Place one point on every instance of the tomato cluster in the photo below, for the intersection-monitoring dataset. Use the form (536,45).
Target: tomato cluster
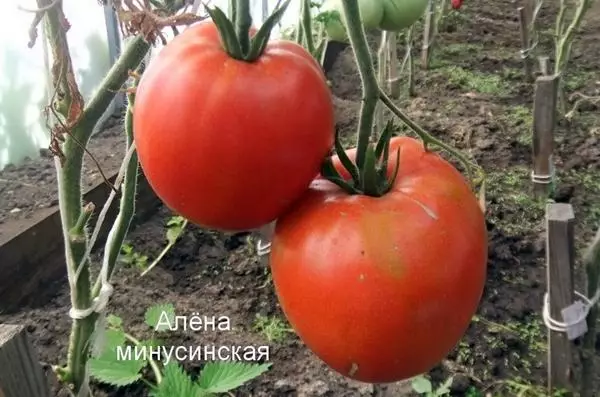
(380,288)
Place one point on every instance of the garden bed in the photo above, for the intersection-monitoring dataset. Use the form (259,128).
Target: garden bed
(473,97)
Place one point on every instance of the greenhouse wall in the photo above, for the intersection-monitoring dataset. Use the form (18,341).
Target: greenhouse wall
(95,43)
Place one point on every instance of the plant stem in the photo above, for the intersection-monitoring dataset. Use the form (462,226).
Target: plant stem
(164,251)
(563,41)
(588,349)
(153,363)
(424,135)
(69,180)
(362,53)
(119,229)
(243,22)
(307,26)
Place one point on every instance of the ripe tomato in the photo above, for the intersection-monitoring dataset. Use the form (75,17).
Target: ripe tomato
(401,14)
(382,289)
(230,144)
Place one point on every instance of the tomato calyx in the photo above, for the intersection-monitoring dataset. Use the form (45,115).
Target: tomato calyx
(235,32)
(371,177)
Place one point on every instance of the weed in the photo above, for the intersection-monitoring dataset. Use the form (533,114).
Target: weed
(130,258)
(482,83)
(424,387)
(273,328)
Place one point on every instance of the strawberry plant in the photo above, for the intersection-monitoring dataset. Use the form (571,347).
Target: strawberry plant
(111,365)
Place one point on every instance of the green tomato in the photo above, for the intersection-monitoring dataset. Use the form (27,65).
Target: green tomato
(371,12)
(401,14)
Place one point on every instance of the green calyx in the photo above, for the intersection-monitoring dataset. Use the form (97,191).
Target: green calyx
(371,177)
(235,32)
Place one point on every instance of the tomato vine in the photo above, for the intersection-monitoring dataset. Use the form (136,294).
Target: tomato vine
(369,175)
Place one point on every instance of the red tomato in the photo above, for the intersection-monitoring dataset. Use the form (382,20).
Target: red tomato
(229,144)
(382,289)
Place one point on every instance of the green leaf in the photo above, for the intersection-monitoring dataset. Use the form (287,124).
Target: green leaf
(108,368)
(114,321)
(421,385)
(260,40)
(176,383)
(444,389)
(221,377)
(174,229)
(157,315)
(113,338)
(226,32)
(345,160)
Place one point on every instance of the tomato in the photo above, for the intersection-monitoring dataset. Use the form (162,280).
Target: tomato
(230,144)
(382,289)
(371,12)
(401,14)
(456,4)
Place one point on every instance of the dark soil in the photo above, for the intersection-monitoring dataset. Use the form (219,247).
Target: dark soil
(474,97)
(31,186)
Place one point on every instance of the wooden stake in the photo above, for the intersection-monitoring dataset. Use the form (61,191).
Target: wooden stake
(393,77)
(524,23)
(428,35)
(560,258)
(544,121)
(21,374)
(382,76)
(543,60)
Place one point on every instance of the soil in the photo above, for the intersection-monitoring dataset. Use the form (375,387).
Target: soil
(30,186)
(474,97)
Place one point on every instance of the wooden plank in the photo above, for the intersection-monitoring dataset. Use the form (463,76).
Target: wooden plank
(560,258)
(21,374)
(544,122)
(28,274)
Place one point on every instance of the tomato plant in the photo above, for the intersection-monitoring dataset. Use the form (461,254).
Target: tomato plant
(401,14)
(382,288)
(214,119)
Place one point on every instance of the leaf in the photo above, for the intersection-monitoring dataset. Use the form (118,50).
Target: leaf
(421,385)
(176,383)
(113,338)
(223,376)
(114,321)
(108,368)
(157,315)
(444,389)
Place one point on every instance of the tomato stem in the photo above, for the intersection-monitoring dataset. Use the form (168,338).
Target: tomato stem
(235,31)
(370,173)
(243,22)
(370,86)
